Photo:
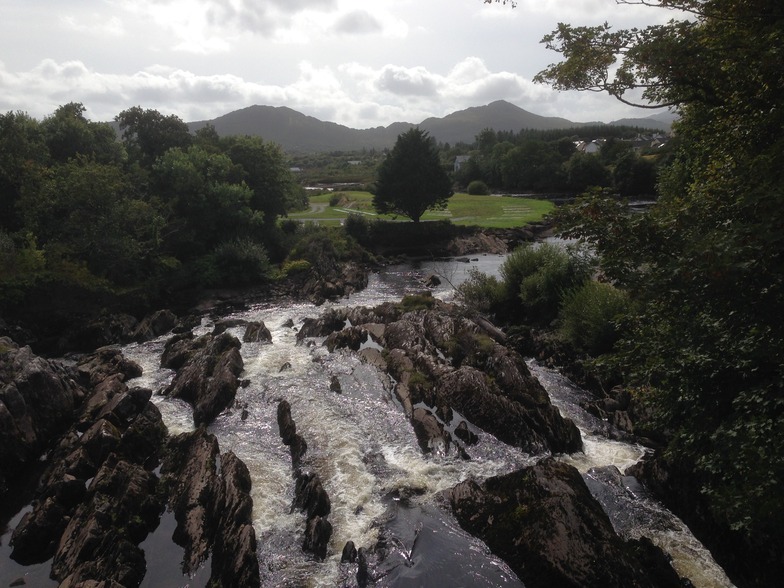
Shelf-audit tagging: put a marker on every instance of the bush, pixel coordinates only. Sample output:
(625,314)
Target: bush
(478,188)
(241,262)
(480,292)
(358,226)
(588,316)
(295,266)
(326,247)
(536,278)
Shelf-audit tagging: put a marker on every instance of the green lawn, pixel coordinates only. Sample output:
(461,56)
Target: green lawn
(483,211)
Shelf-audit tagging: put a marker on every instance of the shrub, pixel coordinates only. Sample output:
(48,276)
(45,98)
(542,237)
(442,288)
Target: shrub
(358,226)
(241,262)
(589,314)
(295,266)
(412,302)
(536,278)
(480,292)
(478,188)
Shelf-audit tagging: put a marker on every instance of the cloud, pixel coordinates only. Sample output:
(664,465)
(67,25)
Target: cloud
(357,22)
(416,81)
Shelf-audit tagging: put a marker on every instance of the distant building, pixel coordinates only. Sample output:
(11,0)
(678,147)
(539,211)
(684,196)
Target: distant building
(589,146)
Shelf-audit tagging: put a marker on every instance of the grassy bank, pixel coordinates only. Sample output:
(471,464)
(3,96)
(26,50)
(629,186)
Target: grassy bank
(484,211)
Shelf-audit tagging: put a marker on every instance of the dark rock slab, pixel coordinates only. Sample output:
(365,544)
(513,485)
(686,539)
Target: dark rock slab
(545,524)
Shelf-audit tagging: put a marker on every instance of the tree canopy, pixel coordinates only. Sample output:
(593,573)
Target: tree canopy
(704,347)
(411,179)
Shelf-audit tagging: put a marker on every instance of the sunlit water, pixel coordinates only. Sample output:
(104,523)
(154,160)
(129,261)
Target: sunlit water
(381,486)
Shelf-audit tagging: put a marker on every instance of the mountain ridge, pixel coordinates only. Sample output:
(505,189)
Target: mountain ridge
(298,132)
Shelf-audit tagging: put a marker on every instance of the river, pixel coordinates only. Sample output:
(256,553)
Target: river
(362,446)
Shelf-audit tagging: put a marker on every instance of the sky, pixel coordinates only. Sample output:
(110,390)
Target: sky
(358,63)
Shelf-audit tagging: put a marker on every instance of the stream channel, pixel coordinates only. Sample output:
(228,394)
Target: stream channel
(381,485)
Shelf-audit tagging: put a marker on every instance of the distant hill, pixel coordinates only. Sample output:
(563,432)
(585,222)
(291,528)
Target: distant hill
(296,132)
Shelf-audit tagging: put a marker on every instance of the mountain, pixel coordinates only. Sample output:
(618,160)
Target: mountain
(297,132)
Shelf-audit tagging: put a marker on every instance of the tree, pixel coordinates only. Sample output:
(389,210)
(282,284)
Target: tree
(266,173)
(23,156)
(705,266)
(68,133)
(411,179)
(148,134)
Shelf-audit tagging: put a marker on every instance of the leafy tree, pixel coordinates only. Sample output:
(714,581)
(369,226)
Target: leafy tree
(68,133)
(81,212)
(584,171)
(266,174)
(203,198)
(411,179)
(148,134)
(23,155)
(706,264)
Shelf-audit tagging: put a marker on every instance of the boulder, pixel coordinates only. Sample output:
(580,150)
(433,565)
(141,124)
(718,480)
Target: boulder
(318,532)
(153,326)
(545,524)
(208,379)
(105,362)
(37,402)
(257,332)
(535,430)
(100,542)
(429,432)
(213,509)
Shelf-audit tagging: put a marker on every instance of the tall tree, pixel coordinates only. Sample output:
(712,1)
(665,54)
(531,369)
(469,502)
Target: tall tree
(411,179)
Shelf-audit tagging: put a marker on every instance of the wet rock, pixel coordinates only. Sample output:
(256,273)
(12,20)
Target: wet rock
(289,435)
(318,532)
(223,324)
(432,281)
(257,332)
(373,357)
(332,320)
(101,540)
(463,433)
(153,326)
(545,524)
(363,576)
(212,508)
(537,429)
(348,338)
(189,471)
(334,385)
(349,554)
(208,379)
(286,424)
(234,559)
(429,432)
(108,329)
(105,362)
(37,402)
(310,496)
(179,349)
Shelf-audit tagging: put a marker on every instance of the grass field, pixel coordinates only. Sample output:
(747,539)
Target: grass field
(483,211)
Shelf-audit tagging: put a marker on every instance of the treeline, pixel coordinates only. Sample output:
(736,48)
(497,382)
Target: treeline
(89,220)
(550,161)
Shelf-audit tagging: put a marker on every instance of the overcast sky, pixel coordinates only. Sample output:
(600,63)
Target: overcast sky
(358,63)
